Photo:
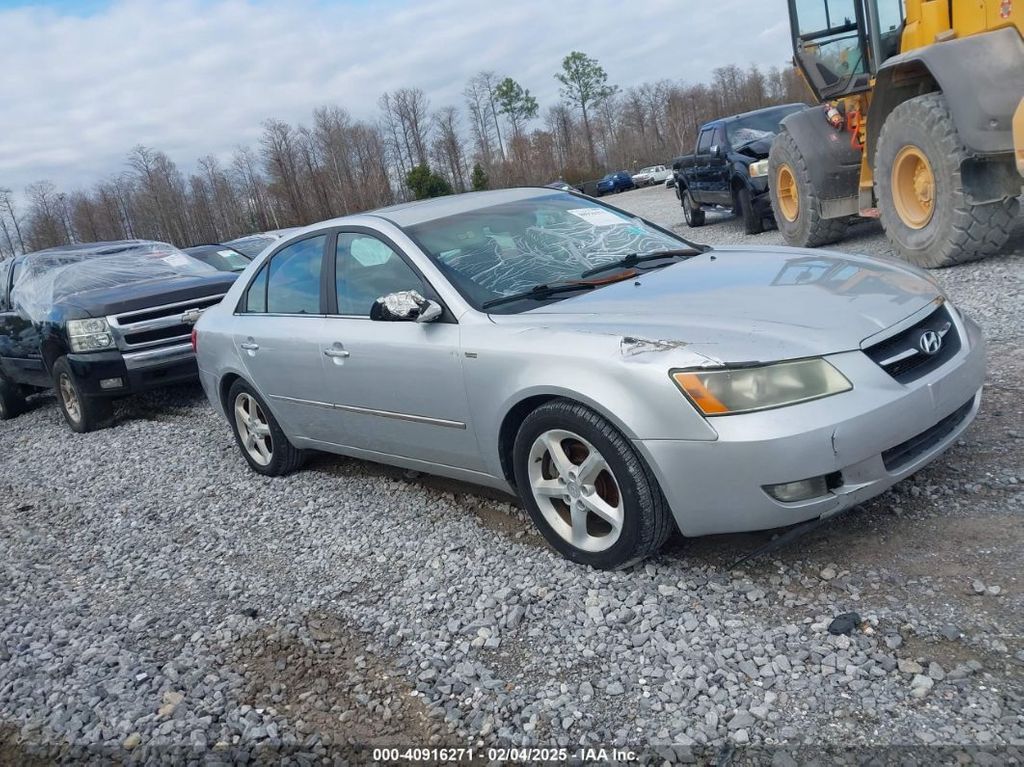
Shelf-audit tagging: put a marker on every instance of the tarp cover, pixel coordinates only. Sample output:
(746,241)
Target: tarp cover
(50,276)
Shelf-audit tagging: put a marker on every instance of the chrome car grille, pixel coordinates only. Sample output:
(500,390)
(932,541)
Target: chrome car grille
(911,353)
(907,452)
(160,325)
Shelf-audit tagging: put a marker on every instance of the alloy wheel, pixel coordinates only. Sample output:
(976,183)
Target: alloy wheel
(253,429)
(576,490)
(69,396)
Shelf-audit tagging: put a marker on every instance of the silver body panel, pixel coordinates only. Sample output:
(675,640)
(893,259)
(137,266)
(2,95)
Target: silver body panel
(433,396)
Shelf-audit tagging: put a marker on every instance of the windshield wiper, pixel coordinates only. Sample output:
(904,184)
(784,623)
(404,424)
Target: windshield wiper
(540,292)
(633,259)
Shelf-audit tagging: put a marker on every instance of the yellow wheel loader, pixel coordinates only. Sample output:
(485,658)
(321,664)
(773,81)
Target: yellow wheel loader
(921,124)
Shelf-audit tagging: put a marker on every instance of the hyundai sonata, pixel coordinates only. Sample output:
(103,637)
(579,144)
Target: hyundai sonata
(620,379)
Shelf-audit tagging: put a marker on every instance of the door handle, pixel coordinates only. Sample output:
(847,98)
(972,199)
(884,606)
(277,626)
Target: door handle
(249,346)
(335,353)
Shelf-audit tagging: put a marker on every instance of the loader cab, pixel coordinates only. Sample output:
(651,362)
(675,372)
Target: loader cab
(839,44)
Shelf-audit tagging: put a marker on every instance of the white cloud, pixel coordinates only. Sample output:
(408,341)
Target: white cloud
(194,77)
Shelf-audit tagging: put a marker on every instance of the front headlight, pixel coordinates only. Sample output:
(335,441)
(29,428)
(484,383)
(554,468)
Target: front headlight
(759,169)
(91,335)
(742,390)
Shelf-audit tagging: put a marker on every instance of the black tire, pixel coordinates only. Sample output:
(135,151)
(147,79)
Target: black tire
(82,412)
(957,230)
(752,221)
(284,457)
(646,519)
(12,403)
(807,229)
(692,212)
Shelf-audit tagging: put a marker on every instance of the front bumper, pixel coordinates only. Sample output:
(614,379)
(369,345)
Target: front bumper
(137,371)
(874,435)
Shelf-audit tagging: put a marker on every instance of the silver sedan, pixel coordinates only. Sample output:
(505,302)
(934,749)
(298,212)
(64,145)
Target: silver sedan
(622,381)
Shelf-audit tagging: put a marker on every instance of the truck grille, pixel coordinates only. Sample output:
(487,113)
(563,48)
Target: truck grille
(907,452)
(907,356)
(160,325)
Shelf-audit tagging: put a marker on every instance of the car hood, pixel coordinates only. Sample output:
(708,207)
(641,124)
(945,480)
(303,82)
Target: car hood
(757,149)
(134,296)
(743,305)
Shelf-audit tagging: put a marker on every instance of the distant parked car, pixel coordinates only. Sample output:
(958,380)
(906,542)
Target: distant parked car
(221,257)
(99,321)
(729,167)
(654,174)
(622,380)
(253,244)
(619,181)
(561,185)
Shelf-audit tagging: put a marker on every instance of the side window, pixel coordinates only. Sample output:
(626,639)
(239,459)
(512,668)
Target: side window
(256,296)
(367,269)
(293,278)
(719,137)
(704,145)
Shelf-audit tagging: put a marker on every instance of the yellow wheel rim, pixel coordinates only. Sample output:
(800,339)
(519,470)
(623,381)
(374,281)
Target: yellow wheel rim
(785,187)
(913,187)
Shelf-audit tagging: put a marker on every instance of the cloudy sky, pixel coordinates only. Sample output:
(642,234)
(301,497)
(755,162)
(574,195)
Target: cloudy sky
(81,82)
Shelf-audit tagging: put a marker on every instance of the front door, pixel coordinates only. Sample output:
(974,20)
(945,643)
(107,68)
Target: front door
(21,359)
(397,387)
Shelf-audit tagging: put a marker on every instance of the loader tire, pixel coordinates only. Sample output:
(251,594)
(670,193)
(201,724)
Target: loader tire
(795,201)
(924,208)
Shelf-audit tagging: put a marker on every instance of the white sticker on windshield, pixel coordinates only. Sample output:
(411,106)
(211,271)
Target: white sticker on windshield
(176,259)
(598,216)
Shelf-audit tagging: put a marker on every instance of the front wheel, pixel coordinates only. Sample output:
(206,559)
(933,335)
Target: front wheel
(263,444)
(586,489)
(924,207)
(82,413)
(752,221)
(795,201)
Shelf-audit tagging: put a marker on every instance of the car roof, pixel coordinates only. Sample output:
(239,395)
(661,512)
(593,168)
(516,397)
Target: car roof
(754,112)
(413,213)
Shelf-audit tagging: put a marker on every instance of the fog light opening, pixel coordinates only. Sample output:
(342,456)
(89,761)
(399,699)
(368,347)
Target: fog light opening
(804,489)
(111,383)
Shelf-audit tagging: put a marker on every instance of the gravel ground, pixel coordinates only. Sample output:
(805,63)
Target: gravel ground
(158,600)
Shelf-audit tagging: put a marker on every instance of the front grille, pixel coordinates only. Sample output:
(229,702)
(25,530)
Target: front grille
(903,357)
(159,325)
(907,452)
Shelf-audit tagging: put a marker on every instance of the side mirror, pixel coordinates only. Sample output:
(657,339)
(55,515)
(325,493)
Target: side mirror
(716,152)
(405,306)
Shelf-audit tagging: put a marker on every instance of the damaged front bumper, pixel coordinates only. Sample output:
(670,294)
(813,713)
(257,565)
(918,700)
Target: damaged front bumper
(862,442)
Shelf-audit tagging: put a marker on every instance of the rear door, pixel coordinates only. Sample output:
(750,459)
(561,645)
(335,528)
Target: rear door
(20,357)
(278,328)
(701,162)
(397,387)
(718,186)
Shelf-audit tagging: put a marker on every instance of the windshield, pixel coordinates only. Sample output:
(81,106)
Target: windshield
(510,248)
(223,259)
(252,246)
(757,126)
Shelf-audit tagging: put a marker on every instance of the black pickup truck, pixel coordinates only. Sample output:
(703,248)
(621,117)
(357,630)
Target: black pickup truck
(719,171)
(99,321)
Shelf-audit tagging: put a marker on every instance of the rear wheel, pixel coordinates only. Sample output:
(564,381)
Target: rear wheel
(752,221)
(589,493)
(794,199)
(82,412)
(12,403)
(263,444)
(924,206)
(692,212)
